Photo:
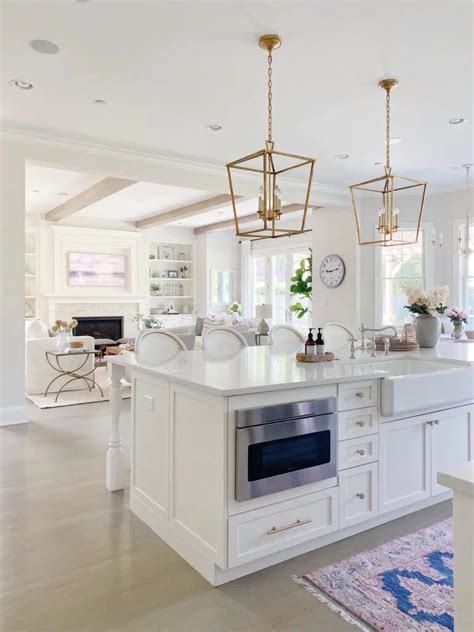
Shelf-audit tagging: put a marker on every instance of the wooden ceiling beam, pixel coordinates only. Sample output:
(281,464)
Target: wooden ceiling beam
(246,219)
(93,194)
(183,212)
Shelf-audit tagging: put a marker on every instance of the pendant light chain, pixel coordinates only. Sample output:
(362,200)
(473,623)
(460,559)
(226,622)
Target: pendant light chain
(388,166)
(270,96)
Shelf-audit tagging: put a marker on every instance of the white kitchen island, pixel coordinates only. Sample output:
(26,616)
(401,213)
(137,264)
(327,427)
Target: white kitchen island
(182,465)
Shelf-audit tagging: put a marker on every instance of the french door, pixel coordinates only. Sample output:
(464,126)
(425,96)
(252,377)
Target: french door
(271,281)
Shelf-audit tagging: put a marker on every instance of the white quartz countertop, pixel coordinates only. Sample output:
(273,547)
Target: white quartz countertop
(259,369)
(459,478)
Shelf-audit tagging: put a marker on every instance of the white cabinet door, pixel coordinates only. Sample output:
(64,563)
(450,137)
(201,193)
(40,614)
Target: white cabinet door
(358,495)
(452,439)
(149,453)
(404,463)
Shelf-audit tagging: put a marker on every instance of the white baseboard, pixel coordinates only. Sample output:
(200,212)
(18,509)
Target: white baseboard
(10,415)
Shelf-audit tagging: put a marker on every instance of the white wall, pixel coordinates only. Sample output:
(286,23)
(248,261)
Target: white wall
(334,233)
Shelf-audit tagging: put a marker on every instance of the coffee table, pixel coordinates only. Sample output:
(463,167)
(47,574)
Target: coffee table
(54,358)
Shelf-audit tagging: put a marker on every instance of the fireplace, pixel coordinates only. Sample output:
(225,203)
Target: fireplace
(100,327)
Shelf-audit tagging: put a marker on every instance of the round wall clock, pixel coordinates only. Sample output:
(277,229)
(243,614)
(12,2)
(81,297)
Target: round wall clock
(332,271)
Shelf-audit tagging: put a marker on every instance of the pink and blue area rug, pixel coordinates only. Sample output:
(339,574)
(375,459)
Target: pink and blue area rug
(405,585)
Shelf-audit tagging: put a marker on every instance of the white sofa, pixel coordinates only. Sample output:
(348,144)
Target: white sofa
(39,373)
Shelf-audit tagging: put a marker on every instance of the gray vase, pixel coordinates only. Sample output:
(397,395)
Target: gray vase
(428,330)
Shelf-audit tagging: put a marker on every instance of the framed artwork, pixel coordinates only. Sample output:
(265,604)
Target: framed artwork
(173,274)
(90,269)
(163,274)
(166,252)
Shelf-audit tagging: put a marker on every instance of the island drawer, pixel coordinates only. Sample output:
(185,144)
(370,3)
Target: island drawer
(274,528)
(358,495)
(357,423)
(358,451)
(361,394)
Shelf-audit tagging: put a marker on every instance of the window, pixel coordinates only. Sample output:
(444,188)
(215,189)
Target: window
(400,266)
(466,271)
(270,283)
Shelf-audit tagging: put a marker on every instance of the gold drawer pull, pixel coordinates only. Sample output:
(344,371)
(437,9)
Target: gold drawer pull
(360,423)
(429,423)
(298,523)
(361,496)
(360,395)
(361,452)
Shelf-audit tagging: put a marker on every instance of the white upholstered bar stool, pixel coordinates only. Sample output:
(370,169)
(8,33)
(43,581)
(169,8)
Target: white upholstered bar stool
(285,337)
(154,347)
(223,341)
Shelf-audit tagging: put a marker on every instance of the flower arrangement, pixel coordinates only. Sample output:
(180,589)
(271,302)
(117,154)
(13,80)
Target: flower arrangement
(457,316)
(63,326)
(236,308)
(148,322)
(423,302)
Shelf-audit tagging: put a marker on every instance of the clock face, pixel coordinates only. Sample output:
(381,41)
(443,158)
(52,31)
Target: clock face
(332,271)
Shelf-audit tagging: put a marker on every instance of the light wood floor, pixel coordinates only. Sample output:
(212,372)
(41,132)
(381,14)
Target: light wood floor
(74,558)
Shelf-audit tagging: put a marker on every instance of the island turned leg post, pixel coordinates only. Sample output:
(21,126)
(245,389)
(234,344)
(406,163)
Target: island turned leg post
(116,466)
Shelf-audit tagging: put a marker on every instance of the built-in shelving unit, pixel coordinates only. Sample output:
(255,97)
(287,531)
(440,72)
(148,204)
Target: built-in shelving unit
(31,272)
(171,277)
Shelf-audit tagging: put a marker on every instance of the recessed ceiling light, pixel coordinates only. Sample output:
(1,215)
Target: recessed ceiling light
(100,102)
(63,193)
(213,127)
(20,83)
(457,120)
(342,156)
(44,46)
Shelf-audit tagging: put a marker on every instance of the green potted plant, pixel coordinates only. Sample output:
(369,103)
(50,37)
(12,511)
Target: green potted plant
(302,286)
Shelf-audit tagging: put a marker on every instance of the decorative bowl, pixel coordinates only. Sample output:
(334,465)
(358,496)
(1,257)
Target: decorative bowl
(469,333)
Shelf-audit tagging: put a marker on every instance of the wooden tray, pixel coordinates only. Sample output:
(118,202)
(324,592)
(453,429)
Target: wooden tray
(399,345)
(327,357)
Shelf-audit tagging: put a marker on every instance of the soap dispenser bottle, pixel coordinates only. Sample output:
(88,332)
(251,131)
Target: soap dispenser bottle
(310,345)
(319,343)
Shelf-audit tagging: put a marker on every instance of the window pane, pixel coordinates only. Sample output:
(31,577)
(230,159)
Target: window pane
(258,281)
(279,289)
(401,266)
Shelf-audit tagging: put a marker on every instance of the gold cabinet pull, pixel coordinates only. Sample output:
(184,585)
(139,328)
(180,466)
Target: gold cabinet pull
(360,495)
(429,423)
(361,452)
(298,523)
(360,394)
(361,423)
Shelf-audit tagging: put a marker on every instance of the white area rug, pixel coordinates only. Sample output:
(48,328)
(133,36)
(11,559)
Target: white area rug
(73,398)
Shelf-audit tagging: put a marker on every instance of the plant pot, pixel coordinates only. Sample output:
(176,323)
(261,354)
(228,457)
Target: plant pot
(428,330)
(457,331)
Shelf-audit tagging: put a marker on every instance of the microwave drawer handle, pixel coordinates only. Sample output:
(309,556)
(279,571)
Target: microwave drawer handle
(298,523)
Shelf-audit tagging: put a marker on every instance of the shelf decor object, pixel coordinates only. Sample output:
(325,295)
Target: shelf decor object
(270,163)
(387,186)
(263,311)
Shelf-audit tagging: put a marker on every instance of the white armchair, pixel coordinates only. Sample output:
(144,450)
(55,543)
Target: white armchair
(39,373)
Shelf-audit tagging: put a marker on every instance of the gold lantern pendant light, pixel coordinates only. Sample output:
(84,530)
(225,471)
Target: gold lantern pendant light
(270,163)
(388,222)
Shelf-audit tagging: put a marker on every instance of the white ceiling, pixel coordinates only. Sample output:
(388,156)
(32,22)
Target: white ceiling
(138,201)
(169,68)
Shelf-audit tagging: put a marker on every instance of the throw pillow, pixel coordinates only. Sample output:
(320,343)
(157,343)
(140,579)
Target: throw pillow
(199,324)
(209,323)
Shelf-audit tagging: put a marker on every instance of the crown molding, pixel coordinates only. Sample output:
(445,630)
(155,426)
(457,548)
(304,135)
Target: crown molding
(32,137)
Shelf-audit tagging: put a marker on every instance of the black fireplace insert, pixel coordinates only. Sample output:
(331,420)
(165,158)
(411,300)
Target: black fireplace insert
(100,327)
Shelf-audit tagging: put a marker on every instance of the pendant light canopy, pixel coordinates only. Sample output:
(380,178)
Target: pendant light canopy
(386,189)
(269,164)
